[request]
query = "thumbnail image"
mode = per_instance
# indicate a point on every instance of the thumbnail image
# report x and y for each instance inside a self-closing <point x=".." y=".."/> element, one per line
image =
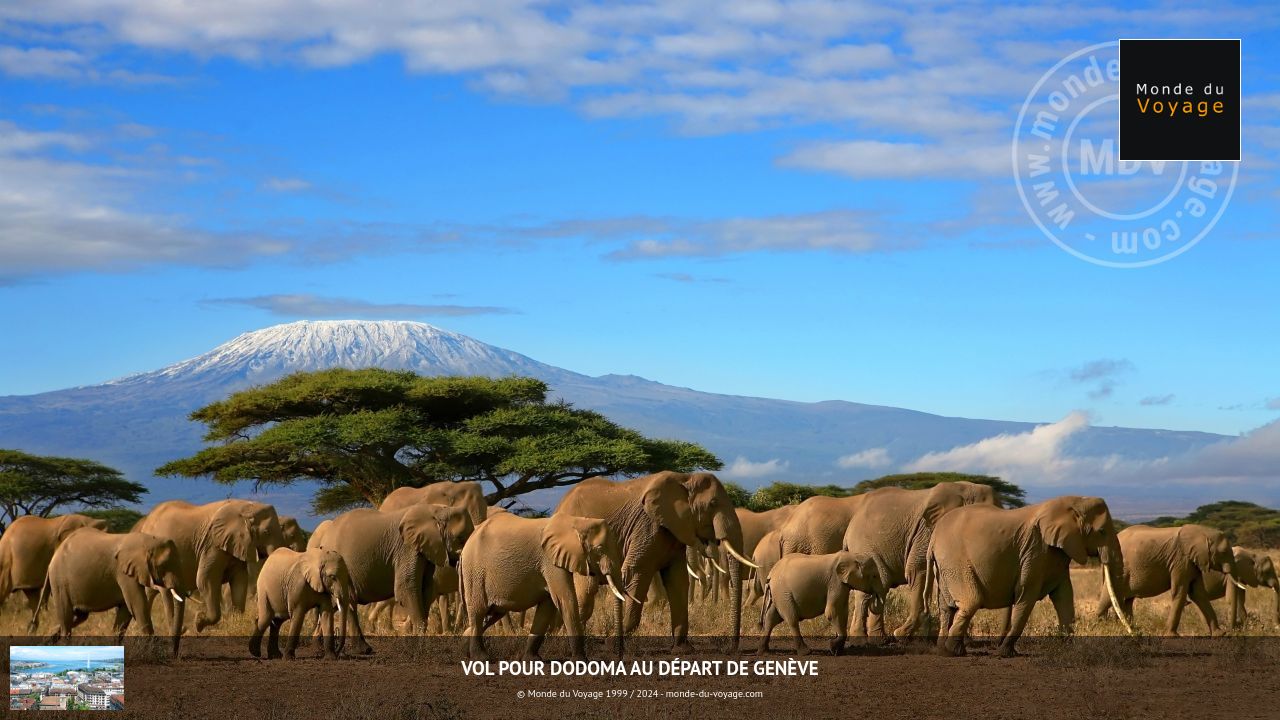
<point x="83" y="677"/>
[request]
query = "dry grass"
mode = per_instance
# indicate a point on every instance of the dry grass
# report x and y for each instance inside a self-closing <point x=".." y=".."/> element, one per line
<point x="713" y="619"/>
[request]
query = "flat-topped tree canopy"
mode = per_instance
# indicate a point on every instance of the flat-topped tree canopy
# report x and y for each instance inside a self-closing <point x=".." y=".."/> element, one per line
<point x="363" y="433"/>
<point x="40" y="485"/>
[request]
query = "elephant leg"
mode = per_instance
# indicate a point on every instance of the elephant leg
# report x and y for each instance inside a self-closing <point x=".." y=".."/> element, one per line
<point x="769" y="619"/>
<point x="477" y="610"/>
<point x="793" y="621"/>
<point x="676" y="580"/>
<point x="135" y="601"/>
<point x="1200" y="597"/>
<point x="1064" y="604"/>
<point x="542" y="618"/>
<point x="273" y="640"/>
<point x="1177" y="600"/>
<point x="915" y="606"/>
<point x="1021" y="614"/>
<point x="264" y="622"/>
<point x="295" y="629"/>
<point x="560" y="584"/>
<point x="952" y="643"/>
<point x="121" y="623"/>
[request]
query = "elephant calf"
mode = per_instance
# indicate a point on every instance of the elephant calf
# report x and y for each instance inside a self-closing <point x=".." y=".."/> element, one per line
<point x="513" y="563"/>
<point x="1252" y="570"/>
<point x="93" y="571"/>
<point x="806" y="586"/>
<point x="290" y="585"/>
<point x="767" y="553"/>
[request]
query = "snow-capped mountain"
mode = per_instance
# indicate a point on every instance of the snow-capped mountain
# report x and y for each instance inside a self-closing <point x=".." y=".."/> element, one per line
<point x="139" y="422"/>
<point x="265" y="355"/>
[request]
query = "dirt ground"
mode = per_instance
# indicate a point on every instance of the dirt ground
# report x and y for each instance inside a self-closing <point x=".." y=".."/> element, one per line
<point x="413" y="679"/>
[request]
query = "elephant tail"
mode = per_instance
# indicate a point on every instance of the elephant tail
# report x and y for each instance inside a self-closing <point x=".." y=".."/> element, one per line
<point x="35" y="614"/>
<point x="930" y="582"/>
<point x="767" y="604"/>
<point x="462" y="590"/>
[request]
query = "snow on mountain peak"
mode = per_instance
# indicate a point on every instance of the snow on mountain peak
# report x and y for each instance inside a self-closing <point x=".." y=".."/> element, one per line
<point x="263" y="355"/>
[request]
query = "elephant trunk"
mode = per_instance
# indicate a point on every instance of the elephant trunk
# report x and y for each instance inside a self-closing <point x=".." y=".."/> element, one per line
<point x="1277" y="589"/>
<point x="729" y="533"/>
<point x="179" y="611"/>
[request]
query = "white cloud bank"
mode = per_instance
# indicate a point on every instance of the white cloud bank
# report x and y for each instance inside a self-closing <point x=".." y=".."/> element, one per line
<point x="872" y="458"/>
<point x="742" y="468"/>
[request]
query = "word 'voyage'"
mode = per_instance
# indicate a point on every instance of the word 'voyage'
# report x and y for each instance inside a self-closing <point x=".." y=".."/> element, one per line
<point x="664" y="668"/>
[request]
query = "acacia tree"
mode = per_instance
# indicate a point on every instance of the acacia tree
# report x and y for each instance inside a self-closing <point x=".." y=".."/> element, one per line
<point x="363" y="433"/>
<point x="39" y="485"/>
<point x="1008" y="494"/>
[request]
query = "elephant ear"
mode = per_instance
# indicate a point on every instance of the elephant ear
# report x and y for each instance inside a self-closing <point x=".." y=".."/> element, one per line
<point x="849" y="568"/>
<point x="565" y="541"/>
<point x="1198" y="548"/>
<point x="133" y="558"/>
<point x="942" y="499"/>
<point x="666" y="500"/>
<point x="1060" y="527"/>
<point x="423" y="527"/>
<point x="311" y="570"/>
<point x="229" y="531"/>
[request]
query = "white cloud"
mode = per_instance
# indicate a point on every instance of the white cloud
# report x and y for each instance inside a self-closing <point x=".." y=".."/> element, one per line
<point x="286" y="185"/>
<point x="746" y="469"/>
<point x="876" y="159"/>
<point x="1036" y="456"/>
<point x="872" y="458"/>
<point x="315" y="306"/>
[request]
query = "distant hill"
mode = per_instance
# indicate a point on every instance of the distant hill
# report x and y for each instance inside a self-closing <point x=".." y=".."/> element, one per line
<point x="139" y="422"/>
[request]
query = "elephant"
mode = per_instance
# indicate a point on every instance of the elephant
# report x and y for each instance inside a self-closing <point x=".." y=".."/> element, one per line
<point x="985" y="557"/>
<point x="290" y="585"/>
<point x="28" y="545"/>
<point x="1252" y="570"/>
<point x="755" y="526"/>
<point x="219" y="542"/>
<point x="92" y="571"/>
<point x="394" y="555"/>
<point x="466" y="495"/>
<point x="513" y="563"/>
<point x="1189" y="560"/>
<point x="295" y="538"/>
<point x="800" y="587"/>
<point x="767" y="554"/>
<point x="655" y="517"/>
<point x="444" y="585"/>
<point x="893" y="526"/>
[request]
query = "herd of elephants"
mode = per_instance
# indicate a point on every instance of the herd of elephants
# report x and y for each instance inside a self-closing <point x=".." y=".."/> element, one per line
<point x="668" y="535"/>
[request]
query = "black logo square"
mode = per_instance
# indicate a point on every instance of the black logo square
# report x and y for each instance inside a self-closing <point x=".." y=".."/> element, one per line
<point x="1179" y="100"/>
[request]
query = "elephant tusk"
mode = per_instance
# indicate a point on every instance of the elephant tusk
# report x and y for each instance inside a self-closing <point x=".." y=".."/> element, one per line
<point x="1115" y="601"/>
<point x="614" y="588"/>
<point x="1238" y="583"/>
<point x="692" y="574"/>
<point x="716" y="565"/>
<point x="635" y="599"/>
<point x="729" y="547"/>
<point x="175" y="595"/>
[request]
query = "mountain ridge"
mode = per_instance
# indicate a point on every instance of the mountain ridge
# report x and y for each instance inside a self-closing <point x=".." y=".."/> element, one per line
<point x="138" y="422"/>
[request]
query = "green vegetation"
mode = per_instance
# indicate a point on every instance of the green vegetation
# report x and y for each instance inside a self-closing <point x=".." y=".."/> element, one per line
<point x="1245" y="523"/>
<point x="363" y="433"/>
<point x="118" y="519"/>
<point x="39" y="485"/>
<point x="781" y="493"/>
<point x="1009" y="495"/>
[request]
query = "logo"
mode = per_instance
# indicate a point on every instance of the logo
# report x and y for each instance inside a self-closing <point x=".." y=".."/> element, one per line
<point x="1083" y="197"/>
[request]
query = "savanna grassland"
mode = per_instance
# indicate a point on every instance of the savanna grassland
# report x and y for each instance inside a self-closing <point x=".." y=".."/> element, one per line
<point x="710" y="618"/>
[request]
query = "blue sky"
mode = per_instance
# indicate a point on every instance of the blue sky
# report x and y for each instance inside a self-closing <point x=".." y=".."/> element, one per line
<point x="54" y="653"/>
<point x="806" y="200"/>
